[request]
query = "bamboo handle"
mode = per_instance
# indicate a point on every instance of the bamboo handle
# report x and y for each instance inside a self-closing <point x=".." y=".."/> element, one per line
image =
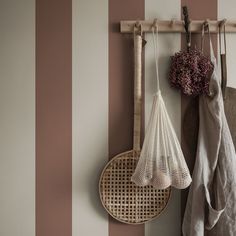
<point x="137" y="91"/>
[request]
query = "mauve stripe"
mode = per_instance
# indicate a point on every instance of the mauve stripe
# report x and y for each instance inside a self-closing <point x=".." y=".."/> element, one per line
<point x="198" y="10"/>
<point x="121" y="91"/>
<point x="53" y="117"/>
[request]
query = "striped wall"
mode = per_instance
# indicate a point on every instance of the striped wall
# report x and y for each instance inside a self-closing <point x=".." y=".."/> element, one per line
<point x="121" y="92"/>
<point x="53" y="117"/>
<point x="17" y="118"/>
<point x="66" y="108"/>
<point x="90" y="114"/>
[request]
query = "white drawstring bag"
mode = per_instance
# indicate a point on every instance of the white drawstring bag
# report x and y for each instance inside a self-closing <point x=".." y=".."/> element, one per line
<point x="161" y="163"/>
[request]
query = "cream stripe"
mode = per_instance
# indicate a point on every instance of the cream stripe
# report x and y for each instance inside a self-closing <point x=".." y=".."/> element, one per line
<point x="169" y="44"/>
<point x="90" y="114"/>
<point x="17" y="119"/>
<point x="226" y="9"/>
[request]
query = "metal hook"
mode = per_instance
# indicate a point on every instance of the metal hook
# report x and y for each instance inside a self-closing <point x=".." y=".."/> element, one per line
<point x="138" y="26"/>
<point x="172" y="23"/>
<point x="222" y="23"/>
<point x="154" y="25"/>
<point x="206" y="23"/>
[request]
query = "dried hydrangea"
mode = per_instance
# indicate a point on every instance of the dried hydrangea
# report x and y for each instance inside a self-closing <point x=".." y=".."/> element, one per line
<point x="190" y="72"/>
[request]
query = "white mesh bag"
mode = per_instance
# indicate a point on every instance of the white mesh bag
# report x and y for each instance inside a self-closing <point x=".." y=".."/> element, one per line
<point x="161" y="163"/>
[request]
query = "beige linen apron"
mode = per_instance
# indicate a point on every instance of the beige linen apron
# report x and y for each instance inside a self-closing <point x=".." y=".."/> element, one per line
<point x="211" y="204"/>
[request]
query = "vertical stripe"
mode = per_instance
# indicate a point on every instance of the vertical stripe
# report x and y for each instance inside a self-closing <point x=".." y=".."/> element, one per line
<point x="226" y="9"/>
<point x="121" y="91"/>
<point x="17" y="119"/>
<point x="53" y="117"/>
<point x="90" y="114"/>
<point x="168" y="44"/>
<point x="189" y="106"/>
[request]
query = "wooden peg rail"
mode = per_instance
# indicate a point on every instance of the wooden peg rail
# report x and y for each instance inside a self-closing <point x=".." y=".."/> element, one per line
<point x="177" y="26"/>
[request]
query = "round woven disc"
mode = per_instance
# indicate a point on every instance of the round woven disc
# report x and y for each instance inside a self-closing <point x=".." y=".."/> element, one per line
<point x="125" y="201"/>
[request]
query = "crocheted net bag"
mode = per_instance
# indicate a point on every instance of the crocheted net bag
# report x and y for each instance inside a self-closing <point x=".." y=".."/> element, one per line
<point x="161" y="163"/>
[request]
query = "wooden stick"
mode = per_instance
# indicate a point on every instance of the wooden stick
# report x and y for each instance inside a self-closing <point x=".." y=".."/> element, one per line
<point x="186" y="27"/>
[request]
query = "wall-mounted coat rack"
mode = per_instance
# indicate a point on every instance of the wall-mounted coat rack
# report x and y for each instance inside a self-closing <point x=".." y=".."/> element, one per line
<point x="177" y="26"/>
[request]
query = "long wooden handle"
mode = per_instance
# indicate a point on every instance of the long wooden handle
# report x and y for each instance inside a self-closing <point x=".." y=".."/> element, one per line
<point x="137" y="91"/>
<point x="223" y="61"/>
<point x="223" y="74"/>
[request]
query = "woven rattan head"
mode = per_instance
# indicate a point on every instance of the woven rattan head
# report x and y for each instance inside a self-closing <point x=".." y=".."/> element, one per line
<point x="125" y="201"/>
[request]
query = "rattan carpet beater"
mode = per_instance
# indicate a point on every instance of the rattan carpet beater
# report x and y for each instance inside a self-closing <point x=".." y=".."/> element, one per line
<point x="121" y="198"/>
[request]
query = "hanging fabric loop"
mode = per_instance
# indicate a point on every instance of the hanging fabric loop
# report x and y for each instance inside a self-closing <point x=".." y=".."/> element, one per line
<point x="155" y="41"/>
<point x="205" y="27"/>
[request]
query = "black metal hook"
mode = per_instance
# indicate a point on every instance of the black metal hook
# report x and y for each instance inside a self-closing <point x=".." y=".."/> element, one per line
<point x="139" y="31"/>
<point x="138" y="27"/>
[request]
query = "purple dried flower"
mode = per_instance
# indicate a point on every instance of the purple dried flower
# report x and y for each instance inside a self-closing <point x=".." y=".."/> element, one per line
<point x="190" y="72"/>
